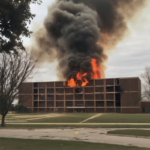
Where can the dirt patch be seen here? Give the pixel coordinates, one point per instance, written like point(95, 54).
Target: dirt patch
point(31, 116)
point(34, 117)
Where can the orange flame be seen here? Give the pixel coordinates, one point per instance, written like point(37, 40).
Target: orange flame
point(96, 70)
point(72, 82)
point(95, 74)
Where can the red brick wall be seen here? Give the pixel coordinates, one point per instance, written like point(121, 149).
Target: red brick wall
point(25, 88)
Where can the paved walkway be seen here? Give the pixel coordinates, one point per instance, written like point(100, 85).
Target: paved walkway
point(91, 118)
point(26, 123)
point(98, 135)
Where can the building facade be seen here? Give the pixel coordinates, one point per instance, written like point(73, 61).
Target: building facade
point(120, 95)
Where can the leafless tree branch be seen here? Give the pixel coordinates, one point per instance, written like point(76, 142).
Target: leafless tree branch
point(14, 70)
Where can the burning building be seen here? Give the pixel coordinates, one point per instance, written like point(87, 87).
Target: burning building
point(120, 95)
point(78, 34)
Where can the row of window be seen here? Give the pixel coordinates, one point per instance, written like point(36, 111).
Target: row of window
point(78, 90)
point(79, 97)
point(91, 83)
point(70, 110)
point(77, 103)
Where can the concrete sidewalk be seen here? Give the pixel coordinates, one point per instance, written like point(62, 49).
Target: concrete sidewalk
point(25, 123)
point(76, 134)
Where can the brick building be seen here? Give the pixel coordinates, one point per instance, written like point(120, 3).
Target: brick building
point(119, 95)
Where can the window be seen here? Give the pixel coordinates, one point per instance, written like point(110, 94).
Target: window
point(41, 97)
point(35, 84)
point(41, 90)
point(50, 91)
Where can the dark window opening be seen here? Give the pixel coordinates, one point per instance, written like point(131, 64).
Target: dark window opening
point(59, 84)
point(100, 104)
point(59, 104)
point(146, 109)
point(117, 88)
point(41, 97)
point(41, 90)
point(89, 97)
point(117, 82)
point(50, 97)
point(109, 82)
point(59, 90)
point(110, 89)
point(50, 104)
point(99, 82)
point(89, 103)
point(68, 103)
point(35, 84)
point(50, 110)
point(42, 110)
point(89, 89)
point(78, 110)
point(99, 89)
point(50, 91)
point(100, 110)
point(110, 103)
point(79, 103)
point(35, 90)
point(41, 104)
point(78, 97)
point(69, 90)
point(35, 97)
point(99, 97)
point(59, 97)
point(89, 110)
point(78, 90)
point(50, 84)
point(60, 109)
point(35, 104)
point(110, 96)
point(110, 110)
point(41, 84)
point(117, 99)
point(69, 97)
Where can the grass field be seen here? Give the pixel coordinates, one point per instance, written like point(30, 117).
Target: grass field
point(77, 118)
point(131, 132)
point(48, 118)
point(66, 118)
point(23, 144)
point(121, 118)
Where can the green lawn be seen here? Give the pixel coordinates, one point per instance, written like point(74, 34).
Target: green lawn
point(67, 118)
point(121, 118)
point(24, 144)
point(131, 132)
point(79, 117)
point(13, 118)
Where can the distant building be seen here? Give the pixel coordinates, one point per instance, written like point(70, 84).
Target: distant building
point(120, 95)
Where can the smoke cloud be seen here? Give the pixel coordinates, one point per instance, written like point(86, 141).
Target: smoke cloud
point(75, 31)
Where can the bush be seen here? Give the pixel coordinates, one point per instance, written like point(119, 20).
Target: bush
point(12, 108)
point(21, 109)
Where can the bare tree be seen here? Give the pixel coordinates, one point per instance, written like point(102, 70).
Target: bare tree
point(14, 69)
point(146, 86)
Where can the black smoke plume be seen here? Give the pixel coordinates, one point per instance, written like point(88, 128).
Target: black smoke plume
point(75, 31)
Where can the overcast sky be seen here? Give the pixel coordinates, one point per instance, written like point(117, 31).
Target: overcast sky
point(127, 60)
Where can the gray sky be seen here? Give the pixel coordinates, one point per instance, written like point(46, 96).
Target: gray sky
point(128, 59)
